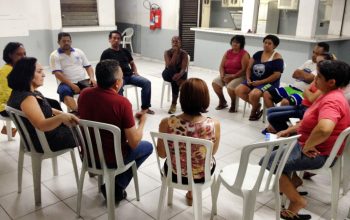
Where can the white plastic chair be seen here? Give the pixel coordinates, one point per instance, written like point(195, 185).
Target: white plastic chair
point(129, 86)
point(335, 170)
point(8, 127)
point(127, 38)
point(247, 180)
point(27, 147)
point(87, 132)
point(346, 166)
point(168, 85)
point(167, 182)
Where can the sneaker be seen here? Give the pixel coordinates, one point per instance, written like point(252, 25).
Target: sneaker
point(172, 109)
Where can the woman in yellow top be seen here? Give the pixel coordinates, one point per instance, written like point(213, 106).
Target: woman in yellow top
point(13, 52)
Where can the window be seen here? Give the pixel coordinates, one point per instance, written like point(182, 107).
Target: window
point(79, 13)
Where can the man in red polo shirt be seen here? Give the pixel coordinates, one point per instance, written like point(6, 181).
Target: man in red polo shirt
point(104, 104)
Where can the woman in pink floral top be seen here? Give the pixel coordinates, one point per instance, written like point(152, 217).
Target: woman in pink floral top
point(194, 100)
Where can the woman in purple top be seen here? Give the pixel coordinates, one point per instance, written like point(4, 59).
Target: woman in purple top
point(232, 72)
point(264, 71)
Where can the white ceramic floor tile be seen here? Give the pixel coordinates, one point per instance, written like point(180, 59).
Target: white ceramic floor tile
point(149, 204)
point(3, 215)
point(127, 212)
point(65, 186)
point(57, 211)
point(20, 204)
point(63, 165)
point(146, 184)
point(8, 182)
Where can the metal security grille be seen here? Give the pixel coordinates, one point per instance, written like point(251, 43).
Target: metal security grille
point(79, 13)
point(188, 19)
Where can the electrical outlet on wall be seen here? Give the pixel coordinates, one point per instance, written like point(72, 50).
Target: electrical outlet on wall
point(225, 20)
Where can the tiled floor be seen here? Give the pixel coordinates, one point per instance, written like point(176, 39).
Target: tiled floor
point(59, 193)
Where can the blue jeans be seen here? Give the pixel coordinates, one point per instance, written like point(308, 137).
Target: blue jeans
point(145, 85)
point(297, 161)
point(279, 116)
point(139, 154)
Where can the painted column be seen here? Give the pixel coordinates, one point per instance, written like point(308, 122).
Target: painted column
point(250, 15)
point(335, 24)
point(307, 18)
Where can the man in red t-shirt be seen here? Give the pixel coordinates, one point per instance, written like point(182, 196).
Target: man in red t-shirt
point(104, 104)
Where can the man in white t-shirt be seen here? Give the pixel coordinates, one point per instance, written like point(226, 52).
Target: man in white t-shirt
point(70, 66)
point(304, 75)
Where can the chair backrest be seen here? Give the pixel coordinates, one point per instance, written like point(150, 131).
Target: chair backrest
point(128, 33)
point(17, 117)
point(285, 146)
point(89, 138)
point(177, 141)
point(344, 135)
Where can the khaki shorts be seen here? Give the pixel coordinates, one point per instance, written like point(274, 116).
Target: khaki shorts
point(231, 85)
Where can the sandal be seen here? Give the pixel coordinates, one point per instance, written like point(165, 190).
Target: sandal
point(256, 117)
point(221, 106)
point(289, 215)
point(189, 199)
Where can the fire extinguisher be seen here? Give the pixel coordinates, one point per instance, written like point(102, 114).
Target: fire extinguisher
point(155, 16)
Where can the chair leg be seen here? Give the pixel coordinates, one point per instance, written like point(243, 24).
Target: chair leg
point(132, 50)
point(99, 182)
point(20, 166)
point(80, 188)
point(277, 202)
point(161, 198)
point(197, 202)
point(136, 181)
point(36, 169)
point(110, 192)
point(75, 168)
point(170, 195)
point(264, 113)
point(169, 90)
point(214, 196)
point(248, 206)
point(9, 130)
point(137, 98)
point(54, 166)
point(162, 95)
point(335, 188)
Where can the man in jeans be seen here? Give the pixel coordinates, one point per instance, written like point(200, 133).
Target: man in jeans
point(116, 110)
point(70, 66)
point(131, 76)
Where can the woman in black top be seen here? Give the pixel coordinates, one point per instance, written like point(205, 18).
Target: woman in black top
point(176, 65)
point(26, 76)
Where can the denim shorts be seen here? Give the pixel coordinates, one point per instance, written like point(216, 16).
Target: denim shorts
point(64, 90)
point(298, 161)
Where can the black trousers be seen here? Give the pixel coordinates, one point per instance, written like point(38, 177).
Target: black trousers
point(168, 74)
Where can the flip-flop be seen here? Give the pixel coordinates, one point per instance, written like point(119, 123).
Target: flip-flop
point(293, 216)
point(256, 117)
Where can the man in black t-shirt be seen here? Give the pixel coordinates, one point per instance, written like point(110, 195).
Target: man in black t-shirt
point(127, 64)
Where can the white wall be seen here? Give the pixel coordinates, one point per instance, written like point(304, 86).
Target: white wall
point(139, 15)
point(346, 21)
point(17, 17)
